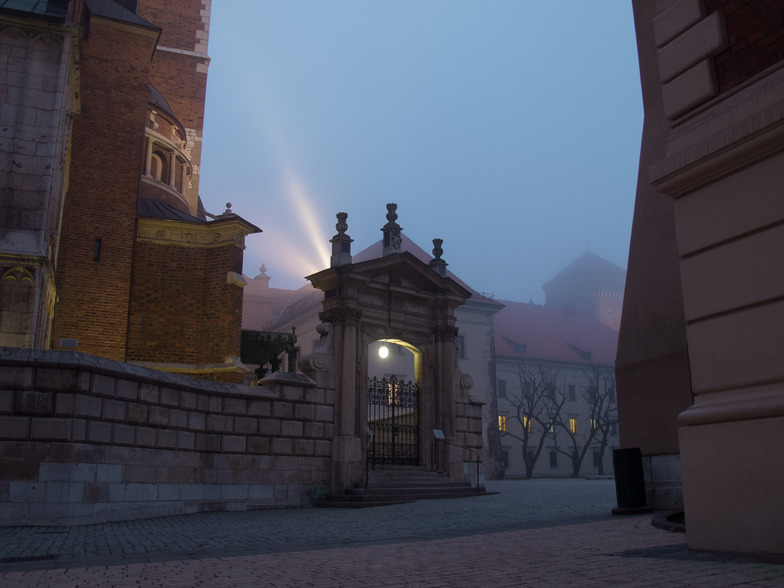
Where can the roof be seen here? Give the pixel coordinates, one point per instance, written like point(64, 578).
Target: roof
point(113, 11)
point(588, 272)
point(375, 251)
point(151, 208)
point(56, 10)
point(530, 331)
point(159, 102)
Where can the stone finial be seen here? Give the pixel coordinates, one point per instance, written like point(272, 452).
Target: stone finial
point(227, 212)
point(437, 264)
point(393, 239)
point(341, 243)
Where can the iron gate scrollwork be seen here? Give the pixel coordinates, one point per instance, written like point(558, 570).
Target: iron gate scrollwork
point(393, 416)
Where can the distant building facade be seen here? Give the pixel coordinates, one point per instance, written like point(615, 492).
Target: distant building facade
point(700, 370)
point(480, 320)
point(557, 409)
point(107, 248)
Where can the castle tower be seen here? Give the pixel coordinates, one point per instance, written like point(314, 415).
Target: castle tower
point(591, 286)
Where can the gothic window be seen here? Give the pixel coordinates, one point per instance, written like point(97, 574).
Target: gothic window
point(16, 293)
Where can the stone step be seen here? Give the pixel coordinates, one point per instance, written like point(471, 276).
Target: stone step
point(396, 485)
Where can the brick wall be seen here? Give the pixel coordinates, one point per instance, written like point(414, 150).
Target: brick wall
point(755, 30)
point(179, 68)
point(183, 309)
point(108, 140)
point(85, 440)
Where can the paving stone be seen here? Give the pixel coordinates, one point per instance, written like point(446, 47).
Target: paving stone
point(554, 532)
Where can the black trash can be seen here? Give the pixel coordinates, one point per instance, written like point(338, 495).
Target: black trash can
point(629, 481)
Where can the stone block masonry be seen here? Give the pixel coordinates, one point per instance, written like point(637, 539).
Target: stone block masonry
point(85, 440)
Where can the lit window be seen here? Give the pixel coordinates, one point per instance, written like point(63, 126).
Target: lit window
point(594, 424)
point(503, 423)
point(573, 425)
point(528, 424)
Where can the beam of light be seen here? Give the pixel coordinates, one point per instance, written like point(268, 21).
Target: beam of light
point(282, 255)
point(307, 216)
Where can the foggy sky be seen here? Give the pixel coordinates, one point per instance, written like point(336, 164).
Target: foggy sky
point(508, 128)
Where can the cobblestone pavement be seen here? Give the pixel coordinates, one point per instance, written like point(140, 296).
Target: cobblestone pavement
point(553, 531)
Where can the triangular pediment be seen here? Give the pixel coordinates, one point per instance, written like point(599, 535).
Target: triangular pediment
point(400, 272)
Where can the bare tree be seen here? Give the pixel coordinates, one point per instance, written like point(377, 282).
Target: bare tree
point(599, 394)
point(537, 410)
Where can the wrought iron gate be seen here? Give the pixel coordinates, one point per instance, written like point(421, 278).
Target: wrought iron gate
point(393, 416)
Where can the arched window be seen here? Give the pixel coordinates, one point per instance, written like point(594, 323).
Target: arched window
point(159, 166)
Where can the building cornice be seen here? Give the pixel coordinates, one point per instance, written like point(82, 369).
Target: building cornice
point(194, 234)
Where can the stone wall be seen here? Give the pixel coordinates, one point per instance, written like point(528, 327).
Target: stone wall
point(85, 440)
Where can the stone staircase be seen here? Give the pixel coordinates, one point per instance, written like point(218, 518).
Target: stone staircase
point(399, 484)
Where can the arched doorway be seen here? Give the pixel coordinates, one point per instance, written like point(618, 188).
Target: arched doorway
point(393, 403)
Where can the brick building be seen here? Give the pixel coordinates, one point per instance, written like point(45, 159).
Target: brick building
point(119, 259)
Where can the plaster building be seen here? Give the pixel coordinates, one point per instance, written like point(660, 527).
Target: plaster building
point(107, 248)
point(700, 370)
point(555, 373)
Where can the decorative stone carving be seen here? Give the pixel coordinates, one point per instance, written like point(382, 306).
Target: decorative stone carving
point(318, 361)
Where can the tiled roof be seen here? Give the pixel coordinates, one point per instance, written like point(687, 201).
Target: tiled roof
point(531, 331)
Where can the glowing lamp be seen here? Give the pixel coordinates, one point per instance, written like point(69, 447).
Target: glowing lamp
point(383, 352)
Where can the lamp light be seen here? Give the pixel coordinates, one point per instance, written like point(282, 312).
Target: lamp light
point(383, 352)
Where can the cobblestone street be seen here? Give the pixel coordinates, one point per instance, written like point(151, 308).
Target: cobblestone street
point(554, 531)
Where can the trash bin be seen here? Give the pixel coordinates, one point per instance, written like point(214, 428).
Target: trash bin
point(629, 481)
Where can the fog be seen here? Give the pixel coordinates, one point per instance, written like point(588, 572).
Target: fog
point(510, 129)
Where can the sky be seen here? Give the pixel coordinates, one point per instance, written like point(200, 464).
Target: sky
point(508, 128)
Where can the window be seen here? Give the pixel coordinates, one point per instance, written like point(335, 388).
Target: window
point(614, 429)
point(612, 394)
point(597, 459)
point(529, 456)
point(460, 342)
point(528, 424)
point(553, 459)
point(572, 393)
point(502, 388)
point(573, 426)
point(594, 424)
point(505, 458)
point(159, 166)
point(503, 423)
